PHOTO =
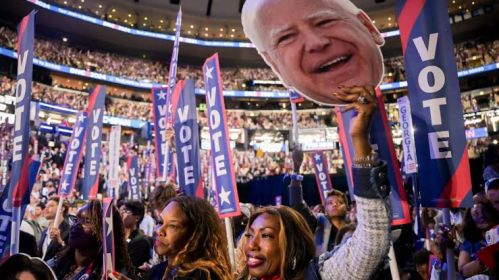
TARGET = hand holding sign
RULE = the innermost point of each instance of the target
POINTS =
(297, 159)
(55, 234)
(363, 101)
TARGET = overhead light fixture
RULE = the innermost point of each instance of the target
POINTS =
(64, 39)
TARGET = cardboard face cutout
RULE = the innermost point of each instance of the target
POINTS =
(317, 47)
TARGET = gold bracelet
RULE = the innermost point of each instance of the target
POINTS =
(368, 161)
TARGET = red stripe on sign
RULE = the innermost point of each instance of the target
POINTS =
(407, 18)
(22, 29)
(452, 193)
(227, 141)
(93, 97)
(344, 144)
(398, 177)
(23, 185)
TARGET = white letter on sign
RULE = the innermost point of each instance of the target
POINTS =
(438, 77)
(434, 104)
(436, 145)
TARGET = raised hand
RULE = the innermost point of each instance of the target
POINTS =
(363, 101)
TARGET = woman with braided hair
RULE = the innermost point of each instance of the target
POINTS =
(192, 240)
(82, 257)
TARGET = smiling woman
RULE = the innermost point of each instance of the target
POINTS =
(328, 50)
(269, 251)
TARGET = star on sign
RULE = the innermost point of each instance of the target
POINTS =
(109, 222)
(224, 196)
(81, 118)
(64, 185)
(317, 157)
(209, 72)
(162, 95)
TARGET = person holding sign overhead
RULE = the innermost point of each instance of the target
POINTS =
(327, 50)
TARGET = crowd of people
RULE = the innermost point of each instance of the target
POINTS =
(118, 106)
(468, 54)
(167, 232)
(70, 247)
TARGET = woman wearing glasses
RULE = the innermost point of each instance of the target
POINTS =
(82, 257)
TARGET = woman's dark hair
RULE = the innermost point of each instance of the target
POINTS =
(491, 155)
(295, 235)
(206, 249)
(470, 231)
(162, 193)
(65, 258)
(21, 262)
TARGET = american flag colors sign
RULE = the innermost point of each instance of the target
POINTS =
(10, 223)
(20, 180)
(73, 155)
(221, 153)
(160, 128)
(133, 177)
(20, 143)
(93, 142)
(107, 237)
(436, 107)
(187, 139)
(381, 138)
(172, 73)
(322, 178)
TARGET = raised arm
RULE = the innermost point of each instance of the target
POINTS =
(361, 254)
(296, 192)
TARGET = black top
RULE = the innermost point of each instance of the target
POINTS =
(139, 248)
(53, 247)
(158, 271)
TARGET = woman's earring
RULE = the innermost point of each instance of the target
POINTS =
(294, 264)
